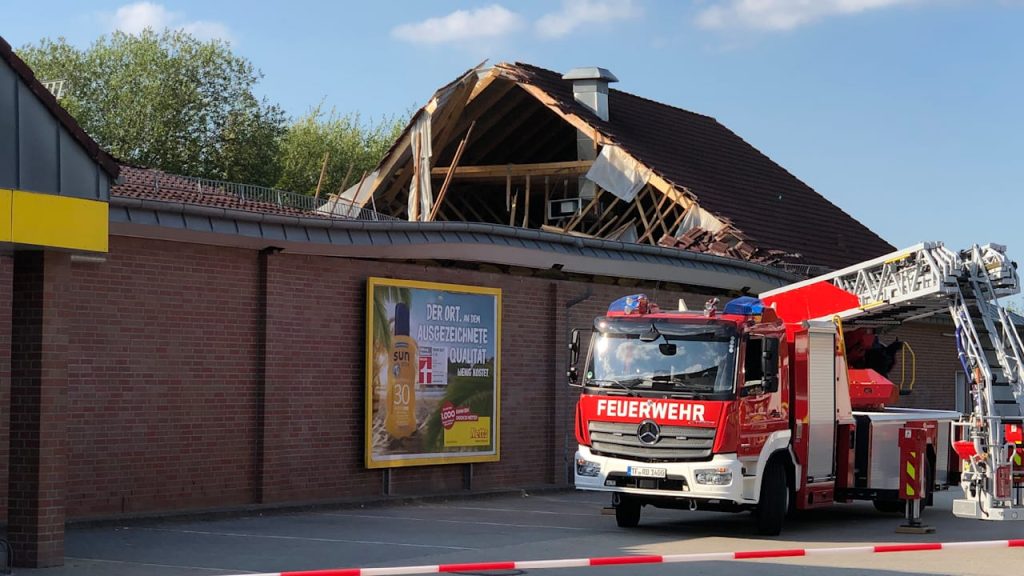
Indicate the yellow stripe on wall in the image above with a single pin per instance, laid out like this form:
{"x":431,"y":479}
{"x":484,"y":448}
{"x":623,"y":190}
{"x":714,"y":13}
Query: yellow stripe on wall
{"x":5,"y":214}
{"x":56,"y":221}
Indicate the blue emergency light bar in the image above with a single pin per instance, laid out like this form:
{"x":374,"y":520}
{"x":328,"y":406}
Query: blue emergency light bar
{"x":745,"y":306}
{"x":632,"y":304}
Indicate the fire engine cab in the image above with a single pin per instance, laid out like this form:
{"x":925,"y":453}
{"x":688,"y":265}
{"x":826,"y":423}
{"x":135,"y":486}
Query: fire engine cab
{"x":783,"y":403}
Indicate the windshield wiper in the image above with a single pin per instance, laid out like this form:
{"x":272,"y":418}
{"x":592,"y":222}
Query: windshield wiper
{"x":684,"y":377}
{"x":687,"y":380}
{"x":626,"y":385}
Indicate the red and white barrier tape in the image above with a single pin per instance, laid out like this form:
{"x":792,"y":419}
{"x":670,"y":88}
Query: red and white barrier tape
{"x":666,"y":559}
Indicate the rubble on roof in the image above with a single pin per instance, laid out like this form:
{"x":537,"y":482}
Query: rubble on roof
{"x":726,"y":242}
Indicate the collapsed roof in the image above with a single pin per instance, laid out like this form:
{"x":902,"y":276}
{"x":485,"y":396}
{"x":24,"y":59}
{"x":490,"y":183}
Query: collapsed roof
{"x":519,"y":145}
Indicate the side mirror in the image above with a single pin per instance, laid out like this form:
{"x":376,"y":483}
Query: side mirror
{"x":574,"y":376}
{"x":574,"y":348}
{"x":574,"y":357}
{"x":753,"y":388}
{"x":770,"y":364}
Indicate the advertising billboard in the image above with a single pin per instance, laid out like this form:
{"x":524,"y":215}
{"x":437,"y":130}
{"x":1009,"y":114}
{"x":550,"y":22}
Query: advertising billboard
{"x":432,"y":373}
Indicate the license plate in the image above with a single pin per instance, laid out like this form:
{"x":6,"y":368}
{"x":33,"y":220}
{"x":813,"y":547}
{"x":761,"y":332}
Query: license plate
{"x":645,"y":472}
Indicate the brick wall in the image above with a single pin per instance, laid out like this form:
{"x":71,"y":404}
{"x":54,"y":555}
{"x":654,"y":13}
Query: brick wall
{"x":162,"y":379}
{"x":38,"y":408}
{"x":937,"y":364}
{"x":6,"y":288}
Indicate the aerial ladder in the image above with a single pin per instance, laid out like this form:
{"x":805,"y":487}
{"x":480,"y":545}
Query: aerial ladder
{"x":929,"y":279}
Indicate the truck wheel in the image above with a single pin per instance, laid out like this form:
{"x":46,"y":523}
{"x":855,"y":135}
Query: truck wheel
{"x":774,"y":501}
{"x":627,"y":513}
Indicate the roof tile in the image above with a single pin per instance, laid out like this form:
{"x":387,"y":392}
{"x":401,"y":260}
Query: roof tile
{"x":151,"y":184}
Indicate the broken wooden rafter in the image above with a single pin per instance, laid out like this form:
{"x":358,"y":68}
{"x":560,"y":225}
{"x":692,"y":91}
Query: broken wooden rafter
{"x":448,"y":176}
{"x":659,"y":219}
{"x":607,"y":210}
{"x":526,"y":203}
{"x":640,"y":208}
{"x":573,"y":119}
{"x":616,"y":222}
{"x":618,"y":232}
{"x":443,"y":124}
{"x":582,"y":213}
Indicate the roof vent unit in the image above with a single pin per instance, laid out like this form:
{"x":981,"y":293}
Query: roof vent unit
{"x":589,"y":88}
{"x":563,"y":208}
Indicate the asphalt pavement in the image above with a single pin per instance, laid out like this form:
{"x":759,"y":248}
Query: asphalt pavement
{"x":546,"y":525}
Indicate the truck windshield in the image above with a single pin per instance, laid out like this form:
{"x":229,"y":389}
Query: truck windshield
{"x":692,"y":361}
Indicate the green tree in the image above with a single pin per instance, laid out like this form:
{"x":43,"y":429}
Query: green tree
{"x":168,"y":100}
{"x":350,"y":145}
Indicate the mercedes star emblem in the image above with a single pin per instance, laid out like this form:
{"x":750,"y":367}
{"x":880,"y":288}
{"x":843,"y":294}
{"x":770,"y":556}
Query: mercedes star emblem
{"x":648,"y":432}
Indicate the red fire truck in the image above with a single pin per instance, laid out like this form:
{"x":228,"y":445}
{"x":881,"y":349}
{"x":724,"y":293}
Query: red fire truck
{"x":782,"y":402}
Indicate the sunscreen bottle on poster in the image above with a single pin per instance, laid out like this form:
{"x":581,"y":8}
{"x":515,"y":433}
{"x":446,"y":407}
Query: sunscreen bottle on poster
{"x":403,"y":365}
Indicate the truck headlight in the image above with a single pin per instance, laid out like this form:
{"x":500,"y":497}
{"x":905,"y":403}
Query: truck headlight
{"x":713,"y":476}
{"x":587,"y":468}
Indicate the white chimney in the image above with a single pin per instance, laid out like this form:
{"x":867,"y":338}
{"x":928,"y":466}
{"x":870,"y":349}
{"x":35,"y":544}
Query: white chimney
{"x":589,"y":88}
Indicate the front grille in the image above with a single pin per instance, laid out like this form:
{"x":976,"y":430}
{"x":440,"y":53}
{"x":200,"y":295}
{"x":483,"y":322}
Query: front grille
{"x":675,"y":483}
{"x":676,"y":444}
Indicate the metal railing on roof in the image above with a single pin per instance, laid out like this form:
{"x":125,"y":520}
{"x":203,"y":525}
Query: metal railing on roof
{"x":324,"y":207}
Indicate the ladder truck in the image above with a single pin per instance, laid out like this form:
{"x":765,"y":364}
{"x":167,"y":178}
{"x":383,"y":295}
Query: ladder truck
{"x":764,"y":407}
{"x":929,"y":279}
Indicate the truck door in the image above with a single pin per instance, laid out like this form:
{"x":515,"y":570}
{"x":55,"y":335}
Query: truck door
{"x":760,"y":404}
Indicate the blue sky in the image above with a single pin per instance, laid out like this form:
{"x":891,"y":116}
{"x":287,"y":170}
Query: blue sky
{"x":906,"y":113}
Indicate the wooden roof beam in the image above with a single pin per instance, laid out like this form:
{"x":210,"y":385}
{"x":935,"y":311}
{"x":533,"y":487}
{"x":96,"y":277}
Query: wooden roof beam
{"x":572,"y":168}
{"x":443,"y":124}
{"x":500,"y":138}
{"x":496,"y":119}
{"x":487,"y":93}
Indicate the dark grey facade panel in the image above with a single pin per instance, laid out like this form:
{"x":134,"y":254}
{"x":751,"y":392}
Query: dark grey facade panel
{"x":531,"y":244}
{"x":318,"y":235}
{"x":251,"y":229}
{"x":359,"y":237}
{"x":199,"y":223}
{"x":398,"y":238}
{"x":8,"y":127}
{"x":171,"y":219}
{"x":339,"y":237}
{"x":295,"y":233}
{"x":273,"y":231}
{"x":224,"y":226}
{"x":120,"y":214}
{"x":143,"y":217}
{"x":77,"y":170}
{"x":38,"y":145}
{"x":37,"y":152}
